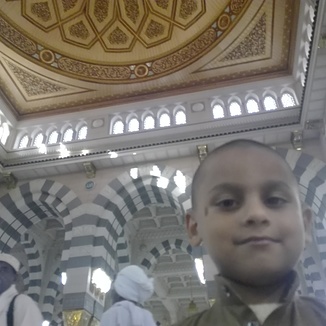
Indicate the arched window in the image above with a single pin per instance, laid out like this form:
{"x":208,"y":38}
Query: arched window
{"x":165,"y":120}
{"x":67,"y":136}
{"x":53,"y":138}
{"x":149,"y":122}
{"x":82,"y":133}
{"x":287,"y":100}
{"x":252,"y":106}
{"x":180,"y":117}
{"x":5,"y":133}
{"x":118,"y":127}
{"x":133,"y":125}
{"x":38,"y":140}
{"x":23,"y":142}
{"x":269,"y":103}
{"x":218,"y":111}
{"x":235,"y":109}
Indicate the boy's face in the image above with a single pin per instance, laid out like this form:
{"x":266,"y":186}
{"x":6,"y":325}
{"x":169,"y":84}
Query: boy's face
{"x":249,"y":216}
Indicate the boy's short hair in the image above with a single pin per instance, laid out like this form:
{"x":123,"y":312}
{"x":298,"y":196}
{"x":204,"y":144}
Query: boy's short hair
{"x":240,"y":143}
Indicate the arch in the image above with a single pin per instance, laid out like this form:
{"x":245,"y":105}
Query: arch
{"x":218,"y":109}
{"x":68,"y":135}
{"x":118,"y":127}
{"x":235,"y":107}
{"x":38,"y":139}
{"x":149,"y":122}
{"x":164,"y":119}
{"x":53,"y":288}
{"x":53,"y":137}
{"x":25,"y":277}
{"x":311,"y":175}
{"x":180,"y":117}
{"x":161,"y":248}
{"x":270,"y":101}
{"x":252,"y":105}
{"x":122,"y":198}
{"x":133,"y":124}
{"x":34,"y":266}
{"x":23,"y":141}
{"x":288,"y":99}
{"x":123,"y":253}
{"x":5,"y":133}
{"x":82,"y":132}
{"x":30,"y":203}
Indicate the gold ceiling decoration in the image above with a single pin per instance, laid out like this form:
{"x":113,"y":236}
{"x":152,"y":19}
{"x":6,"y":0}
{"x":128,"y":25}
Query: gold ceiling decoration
{"x":74,"y":47}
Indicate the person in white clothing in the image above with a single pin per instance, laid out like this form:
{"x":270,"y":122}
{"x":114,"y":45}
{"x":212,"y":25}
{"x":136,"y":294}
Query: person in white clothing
{"x":15,"y":309}
{"x":131,"y":289}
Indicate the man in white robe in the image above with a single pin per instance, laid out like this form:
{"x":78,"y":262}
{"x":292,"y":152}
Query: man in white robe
{"x":131,"y":289}
{"x":25,"y":310}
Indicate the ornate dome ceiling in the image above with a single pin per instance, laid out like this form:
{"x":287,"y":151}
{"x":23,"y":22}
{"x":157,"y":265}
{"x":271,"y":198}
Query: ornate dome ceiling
{"x":58,"y":56}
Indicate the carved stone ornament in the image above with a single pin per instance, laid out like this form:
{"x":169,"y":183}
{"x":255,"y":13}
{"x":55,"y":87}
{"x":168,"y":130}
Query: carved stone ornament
{"x":253,"y":45}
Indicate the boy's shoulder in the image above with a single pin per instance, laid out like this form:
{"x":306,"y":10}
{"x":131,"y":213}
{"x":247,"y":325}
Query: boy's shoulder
{"x":316,"y":305}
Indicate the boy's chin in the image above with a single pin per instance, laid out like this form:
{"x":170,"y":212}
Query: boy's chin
{"x":260,"y":278}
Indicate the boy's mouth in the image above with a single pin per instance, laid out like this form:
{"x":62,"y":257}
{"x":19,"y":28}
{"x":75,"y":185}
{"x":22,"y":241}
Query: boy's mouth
{"x":257,"y":240}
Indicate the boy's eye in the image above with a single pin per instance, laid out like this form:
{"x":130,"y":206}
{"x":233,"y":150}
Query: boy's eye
{"x":275,"y":201}
{"x":227,"y":204}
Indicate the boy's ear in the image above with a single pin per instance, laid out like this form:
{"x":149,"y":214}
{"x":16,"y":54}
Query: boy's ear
{"x":308,"y":221}
{"x":192,"y":230}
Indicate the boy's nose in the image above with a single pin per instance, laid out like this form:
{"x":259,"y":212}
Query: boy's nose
{"x":255,"y":213}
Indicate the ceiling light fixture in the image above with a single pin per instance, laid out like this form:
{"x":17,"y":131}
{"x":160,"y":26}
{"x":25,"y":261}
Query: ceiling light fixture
{"x":42,"y":149}
{"x":134,"y":173}
{"x":113,"y":154}
{"x":63,"y":278}
{"x":199,"y":264}
{"x":101,"y":280}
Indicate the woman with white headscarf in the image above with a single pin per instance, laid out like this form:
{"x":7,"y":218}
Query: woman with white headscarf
{"x":131,"y":288}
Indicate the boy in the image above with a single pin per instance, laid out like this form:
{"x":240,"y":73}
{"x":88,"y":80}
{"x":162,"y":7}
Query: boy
{"x":247,"y":213}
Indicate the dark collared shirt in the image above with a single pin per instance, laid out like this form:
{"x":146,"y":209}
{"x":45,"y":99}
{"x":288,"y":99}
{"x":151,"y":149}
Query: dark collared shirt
{"x":230,"y":310}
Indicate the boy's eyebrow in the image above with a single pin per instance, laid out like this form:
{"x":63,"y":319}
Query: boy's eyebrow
{"x":232,"y":187}
{"x":235,"y":187}
{"x":276,"y":184}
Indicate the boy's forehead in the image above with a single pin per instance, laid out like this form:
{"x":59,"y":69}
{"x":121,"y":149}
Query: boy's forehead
{"x":233,"y":158}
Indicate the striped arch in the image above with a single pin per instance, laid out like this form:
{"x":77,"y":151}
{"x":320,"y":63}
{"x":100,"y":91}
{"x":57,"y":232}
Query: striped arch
{"x":311,"y":175}
{"x":57,"y":319}
{"x":151,"y":258}
{"x":25,"y":277}
{"x":34,"y":266}
{"x":53,"y":289}
{"x":123,"y":252}
{"x":32,"y":202}
{"x":122,"y":198}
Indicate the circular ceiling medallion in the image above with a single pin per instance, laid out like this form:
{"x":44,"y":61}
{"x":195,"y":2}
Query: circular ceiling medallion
{"x":47,"y":56}
{"x":141,"y":71}
{"x":224,"y":21}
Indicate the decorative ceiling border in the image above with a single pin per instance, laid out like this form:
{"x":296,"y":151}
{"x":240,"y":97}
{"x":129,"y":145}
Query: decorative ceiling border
{"x":168,"y":64}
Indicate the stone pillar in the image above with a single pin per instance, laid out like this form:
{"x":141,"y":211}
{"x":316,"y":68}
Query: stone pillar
{"x":81,"y":301}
